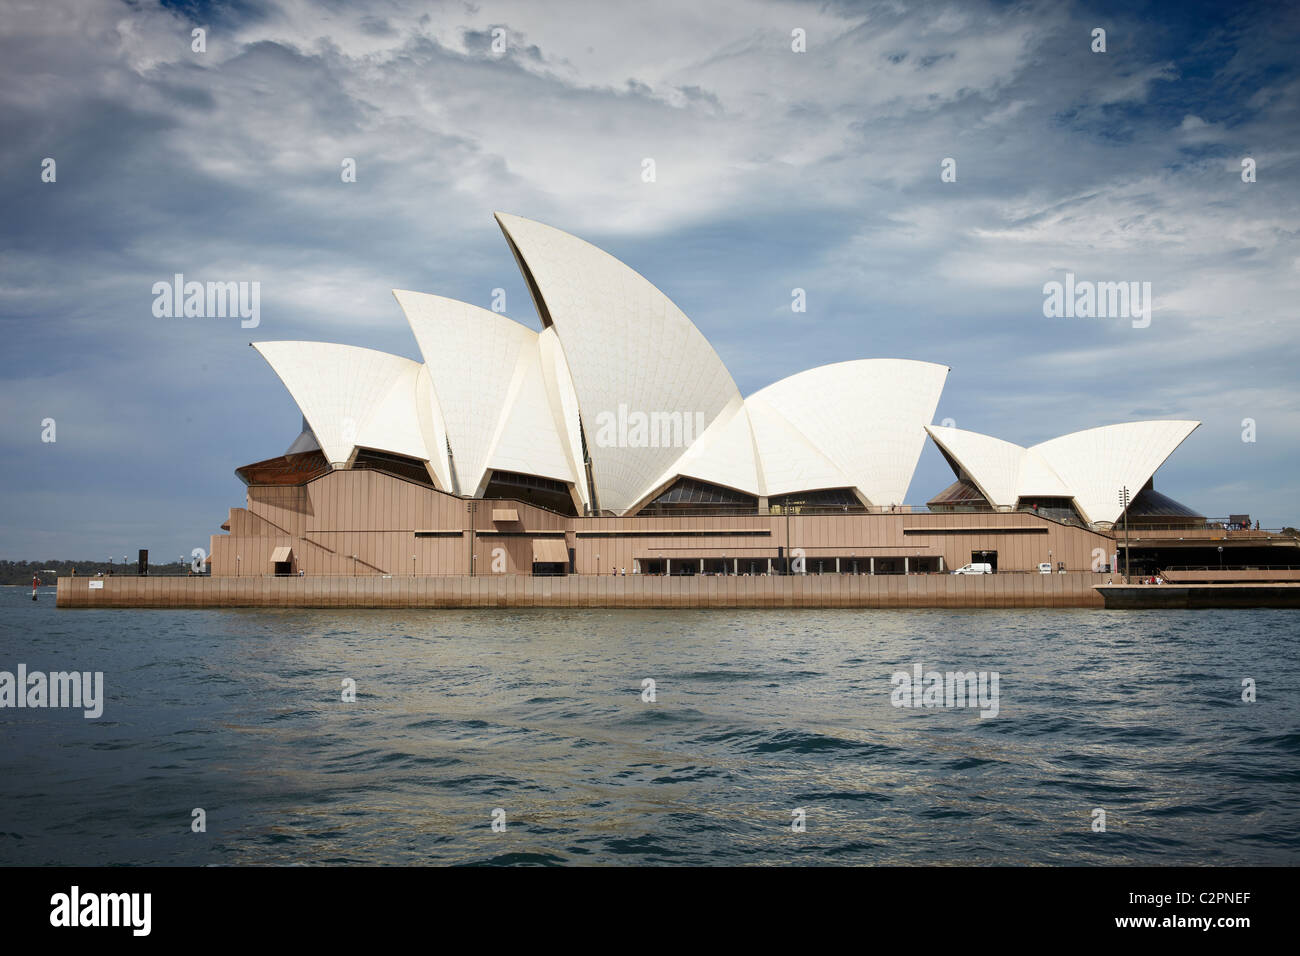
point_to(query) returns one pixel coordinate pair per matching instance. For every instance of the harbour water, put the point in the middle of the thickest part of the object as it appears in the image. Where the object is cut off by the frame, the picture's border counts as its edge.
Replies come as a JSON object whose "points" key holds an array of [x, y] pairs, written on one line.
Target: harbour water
{"points": [[757, 715]]}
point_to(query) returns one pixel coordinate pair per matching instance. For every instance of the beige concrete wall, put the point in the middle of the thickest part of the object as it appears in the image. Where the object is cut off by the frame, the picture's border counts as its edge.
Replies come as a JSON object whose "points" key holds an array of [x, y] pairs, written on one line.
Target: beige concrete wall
{"points": [[516, 590], [1021, 541], [376, 518]]}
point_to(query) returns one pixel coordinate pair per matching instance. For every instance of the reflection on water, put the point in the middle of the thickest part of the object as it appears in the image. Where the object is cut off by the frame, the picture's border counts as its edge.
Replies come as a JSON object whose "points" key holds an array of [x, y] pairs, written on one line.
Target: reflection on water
{"points": [[539, 712]]}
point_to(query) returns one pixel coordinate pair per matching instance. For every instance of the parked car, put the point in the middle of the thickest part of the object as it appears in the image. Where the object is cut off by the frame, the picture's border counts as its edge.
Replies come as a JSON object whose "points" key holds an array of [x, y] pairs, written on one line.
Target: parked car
{"points": [[976, 568], [1045, 567]]}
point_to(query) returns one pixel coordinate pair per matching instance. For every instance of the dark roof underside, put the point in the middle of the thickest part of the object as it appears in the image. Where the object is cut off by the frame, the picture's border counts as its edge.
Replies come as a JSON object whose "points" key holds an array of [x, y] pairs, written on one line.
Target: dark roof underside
{"points": [[1152, 504], [960, 492]]}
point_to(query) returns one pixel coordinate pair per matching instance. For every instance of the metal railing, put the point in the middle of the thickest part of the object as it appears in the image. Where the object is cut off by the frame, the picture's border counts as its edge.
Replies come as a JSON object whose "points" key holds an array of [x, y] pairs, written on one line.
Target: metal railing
{"points": [[775, 511], [1235, 567], [1215, 528]]}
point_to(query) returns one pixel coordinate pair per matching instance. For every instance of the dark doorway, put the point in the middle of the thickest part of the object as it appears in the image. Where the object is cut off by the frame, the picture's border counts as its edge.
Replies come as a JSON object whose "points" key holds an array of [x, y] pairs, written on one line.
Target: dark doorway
{"points": [[985, 557]]}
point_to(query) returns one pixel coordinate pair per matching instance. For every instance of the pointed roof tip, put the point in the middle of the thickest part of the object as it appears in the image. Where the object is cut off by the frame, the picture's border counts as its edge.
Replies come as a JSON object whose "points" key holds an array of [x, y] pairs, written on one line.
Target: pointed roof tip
{"points": [[501, 219], [507, 219]]}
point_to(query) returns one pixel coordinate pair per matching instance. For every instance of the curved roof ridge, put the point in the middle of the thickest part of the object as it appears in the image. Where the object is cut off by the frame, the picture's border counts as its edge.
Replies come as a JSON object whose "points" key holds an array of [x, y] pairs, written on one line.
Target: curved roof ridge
{"points": [[630, 350]]}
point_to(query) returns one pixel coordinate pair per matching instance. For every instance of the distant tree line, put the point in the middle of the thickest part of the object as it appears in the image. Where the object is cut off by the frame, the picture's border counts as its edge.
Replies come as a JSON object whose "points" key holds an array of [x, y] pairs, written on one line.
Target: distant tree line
{"points": [[20, 572]]}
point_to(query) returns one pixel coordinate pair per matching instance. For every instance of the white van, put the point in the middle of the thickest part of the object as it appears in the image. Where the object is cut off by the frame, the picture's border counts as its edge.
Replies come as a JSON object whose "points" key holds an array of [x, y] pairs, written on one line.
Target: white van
{"points": [[1045, 568], [977, 568]]}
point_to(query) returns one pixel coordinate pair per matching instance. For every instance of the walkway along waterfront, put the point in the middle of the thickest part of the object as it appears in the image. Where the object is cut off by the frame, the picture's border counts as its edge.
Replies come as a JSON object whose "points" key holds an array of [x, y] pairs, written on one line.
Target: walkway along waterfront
{"points": [[1075, 589]]}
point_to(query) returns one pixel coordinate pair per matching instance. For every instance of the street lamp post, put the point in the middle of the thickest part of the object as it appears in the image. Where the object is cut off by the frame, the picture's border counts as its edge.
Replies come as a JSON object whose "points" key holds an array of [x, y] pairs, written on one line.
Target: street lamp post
{"points": [[786, 509], [1124, 501], [472, 507], [1220, 557]]}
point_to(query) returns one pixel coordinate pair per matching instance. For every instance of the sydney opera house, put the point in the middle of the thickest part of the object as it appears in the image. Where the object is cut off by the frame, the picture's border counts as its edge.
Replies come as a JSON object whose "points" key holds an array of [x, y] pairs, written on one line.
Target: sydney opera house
{"points": [[614, 441]]}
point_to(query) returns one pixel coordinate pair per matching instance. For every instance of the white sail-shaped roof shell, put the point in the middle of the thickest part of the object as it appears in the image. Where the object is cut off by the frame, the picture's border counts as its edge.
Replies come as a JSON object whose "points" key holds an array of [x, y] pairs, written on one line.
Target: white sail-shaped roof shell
{"points": [[722, 455], [857, 424], [1038, 478], [991, 463], [626, 344], [527, 439], [1089, 467], [788, 461], [867, 417], [1094, 464], [488, 382], [351, 397]]}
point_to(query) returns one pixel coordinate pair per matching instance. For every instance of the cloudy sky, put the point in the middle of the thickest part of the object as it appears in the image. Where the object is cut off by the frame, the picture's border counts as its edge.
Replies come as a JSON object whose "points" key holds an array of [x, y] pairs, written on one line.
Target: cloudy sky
{"points": [[775, 170]]}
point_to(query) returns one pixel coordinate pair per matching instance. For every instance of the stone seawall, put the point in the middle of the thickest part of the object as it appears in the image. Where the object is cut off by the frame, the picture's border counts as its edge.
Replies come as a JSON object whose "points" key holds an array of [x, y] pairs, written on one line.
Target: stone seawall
{"points": [[644, 591]]}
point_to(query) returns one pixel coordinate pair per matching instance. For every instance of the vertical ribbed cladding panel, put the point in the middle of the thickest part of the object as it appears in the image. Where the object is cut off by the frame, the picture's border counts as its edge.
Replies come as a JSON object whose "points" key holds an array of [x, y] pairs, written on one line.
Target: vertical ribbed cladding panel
{"points": [[626, 345]]}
